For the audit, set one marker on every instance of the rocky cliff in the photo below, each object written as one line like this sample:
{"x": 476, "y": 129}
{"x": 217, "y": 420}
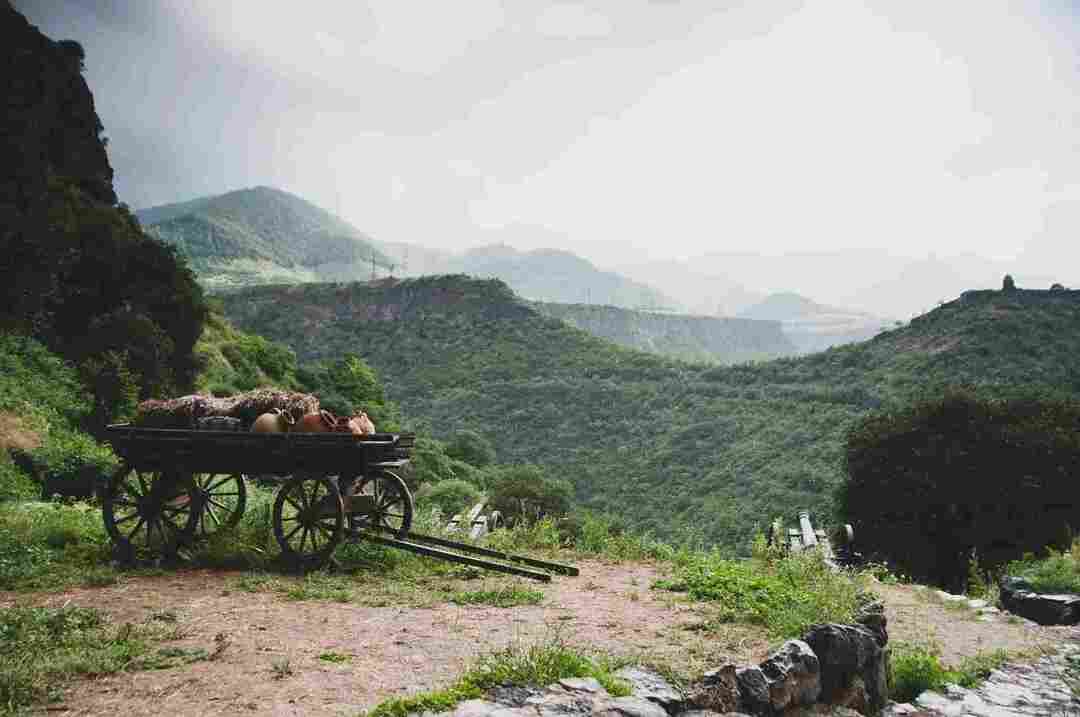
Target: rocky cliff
{"x": 696, "y": 338}
{"x": 48, "y": 127}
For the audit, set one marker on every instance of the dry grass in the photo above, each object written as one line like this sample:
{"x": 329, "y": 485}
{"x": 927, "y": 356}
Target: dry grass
{"x": 16, "y": 433}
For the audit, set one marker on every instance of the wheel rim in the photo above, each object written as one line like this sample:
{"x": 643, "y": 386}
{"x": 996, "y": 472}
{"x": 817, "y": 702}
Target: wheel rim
{"x": 308, "y": 518}
{"x": 222, "y": 498}
{"x": 149, "y": 512}
{"x": 392, "y": 503}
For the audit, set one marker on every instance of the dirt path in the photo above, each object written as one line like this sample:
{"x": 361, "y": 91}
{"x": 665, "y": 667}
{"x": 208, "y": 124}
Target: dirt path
{"x": 391, "y": 651}
{"x": 396, "y": 651}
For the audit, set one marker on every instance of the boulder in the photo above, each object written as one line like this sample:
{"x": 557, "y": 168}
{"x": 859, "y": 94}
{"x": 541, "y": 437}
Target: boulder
{"x": 648, "y": 685}
{"x": 853, "y": 666}
{"x": 872, "y": 617}
{"x": 794, "y": 675}
{"x": 716, "y": 691}
{"x": 1018, "y": 598}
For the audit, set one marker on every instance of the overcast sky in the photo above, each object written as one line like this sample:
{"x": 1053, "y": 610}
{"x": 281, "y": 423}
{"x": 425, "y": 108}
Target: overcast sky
{"x": 608, "y": 127}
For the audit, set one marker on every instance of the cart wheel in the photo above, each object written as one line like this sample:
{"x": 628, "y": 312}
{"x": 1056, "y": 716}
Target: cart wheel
{"x": 390, "y": 505}
{"x": 149, "y": 513}
{"x": 309, "y": 519}
{"x": 222, "y": 498}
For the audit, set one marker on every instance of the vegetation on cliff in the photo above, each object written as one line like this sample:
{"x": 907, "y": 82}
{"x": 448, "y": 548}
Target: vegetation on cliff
{"x": 76, "y": 271}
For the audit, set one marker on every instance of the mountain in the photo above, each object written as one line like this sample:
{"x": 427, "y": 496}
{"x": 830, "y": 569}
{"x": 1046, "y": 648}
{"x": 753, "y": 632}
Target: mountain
{"x": 557, "y": 276}
{"x": 710, "y": 339}
{"x": 685, "y": 451}
{"x": 812, "y": 326}
{"x": 710, "y": 293}
{"x": 263, "y": 235}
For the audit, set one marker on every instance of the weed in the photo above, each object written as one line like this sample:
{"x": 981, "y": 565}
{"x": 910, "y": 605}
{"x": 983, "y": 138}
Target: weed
{"x": 535, "y": 665}
{"x": 42, "y": 648}
{"x": 786, "y": 595}
{"x": 915, "y": 669}
{"x": 336, "y": 657}
{"x": 281, "y": 667}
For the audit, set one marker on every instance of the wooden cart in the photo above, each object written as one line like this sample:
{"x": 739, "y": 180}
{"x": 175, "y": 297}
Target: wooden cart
{"x": 178, "y": 486}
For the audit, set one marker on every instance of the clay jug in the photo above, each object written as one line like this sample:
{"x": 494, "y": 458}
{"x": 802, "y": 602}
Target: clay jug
{"x": 273, "y": 421}
{"x": 321, "y": 422}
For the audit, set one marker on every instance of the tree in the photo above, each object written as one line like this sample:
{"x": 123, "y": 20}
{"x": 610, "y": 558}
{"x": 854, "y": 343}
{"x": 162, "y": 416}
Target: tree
{"x": 928, "y": 483}
{"x": 472, "y": 448}
{"x": 1008, "y": 284}
{"x": 452, "y": 496}
{"x": 525, "y": 492}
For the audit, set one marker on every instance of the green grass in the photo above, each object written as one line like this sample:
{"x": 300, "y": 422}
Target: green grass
{"x": 536, "y": 665}
{"x": 506, "y": 596}
{"x": 785, "y": 595}
{"x": 915, "y": 669}
{"x": 43, "y": 648}
{"x": 335, "y": 657}
{"x": 1057, "y": 573}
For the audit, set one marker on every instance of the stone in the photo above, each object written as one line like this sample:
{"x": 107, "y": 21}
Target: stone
{"x": 794, "y": 675}
{"x": 647, "y": 685}
{"x": 581, "y": 684}
{"x": 977, "y": 604}
{"x": 630, "y": 707}
{"x": 1044, "y": 609}
{"x": 753, "y": 689}
{"x": 847, "y": 653}
{"x": 717, "y": 690}
{"x": 476, "y": 708}
{"x": 872, "y": 617}
{"x": 901, "y": 709}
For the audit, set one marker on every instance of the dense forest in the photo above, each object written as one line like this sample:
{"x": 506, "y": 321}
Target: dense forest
{"x": 679, "y": 449}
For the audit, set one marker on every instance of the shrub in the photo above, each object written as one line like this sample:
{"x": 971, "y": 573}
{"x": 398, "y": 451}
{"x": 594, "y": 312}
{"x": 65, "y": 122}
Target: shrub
{"x": 929, "y": 483}
{"x": 452, "y": 496}
{"x": 525, "y": 492}
{"x": 1059, "y": 572}
{"x": 786, "y": 596}
{"x": 472, "y": 448}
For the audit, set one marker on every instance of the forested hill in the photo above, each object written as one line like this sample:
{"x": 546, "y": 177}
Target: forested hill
{"x": 672, "y": 447}
{"x": 711, "y": 339}
{"x": 259, "y": 235}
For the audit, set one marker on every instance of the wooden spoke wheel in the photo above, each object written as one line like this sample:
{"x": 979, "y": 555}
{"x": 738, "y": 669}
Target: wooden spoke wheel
{"x": 381, "y": 501}
{"x": 222, "y": 498}
{"x": 309, "y": 519}
{"x": 149, "y": 513}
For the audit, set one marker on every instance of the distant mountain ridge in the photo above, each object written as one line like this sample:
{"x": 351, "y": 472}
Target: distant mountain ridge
{"x": 813, "y": 326}
{"x": 258, "y": 235}
{"x": 712, "y": 339}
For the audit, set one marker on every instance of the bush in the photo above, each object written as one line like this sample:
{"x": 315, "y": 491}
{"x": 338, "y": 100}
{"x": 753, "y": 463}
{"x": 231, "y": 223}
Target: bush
{"x": 1059, "y": 572}
{"x": 930, "y": 483}
{"x": 913, "y": 670}
{"x": 472, "y": 448}
{"x": 786, "y": 596}
{"x": 525, "y": 492}
{"x": 451, "y": 496}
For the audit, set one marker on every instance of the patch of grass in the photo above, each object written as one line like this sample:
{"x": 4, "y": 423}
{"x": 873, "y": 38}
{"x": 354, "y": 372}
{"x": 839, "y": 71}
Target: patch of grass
{"x": 1057, "y": 573}
{"x": 42, "y": 648}
{"x": 52, "y": 545}
{"x": 506, "y": 596}
{"x": 915, "y": 669}
{"x": 335, "y": 657}
{"x": 281, "y": 667}
{"x": 785, "y": 595}
{"x": 535, "y": 665}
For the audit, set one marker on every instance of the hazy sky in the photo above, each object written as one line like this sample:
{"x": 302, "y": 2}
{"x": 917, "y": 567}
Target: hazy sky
{"x": 675, "y": 128}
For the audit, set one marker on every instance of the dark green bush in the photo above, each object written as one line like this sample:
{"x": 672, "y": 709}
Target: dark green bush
{"x": 930, "y": 483}
{"x": 451, "y": 496}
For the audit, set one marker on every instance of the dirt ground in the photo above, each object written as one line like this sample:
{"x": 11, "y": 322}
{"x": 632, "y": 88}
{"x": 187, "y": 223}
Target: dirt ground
{"x": 396, "y": 651}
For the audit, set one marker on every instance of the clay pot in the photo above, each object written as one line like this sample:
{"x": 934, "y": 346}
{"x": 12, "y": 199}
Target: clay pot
{"x": 359, "y": 425}
{"x": 321, "y": 422}
{"x": 273, "y": 421}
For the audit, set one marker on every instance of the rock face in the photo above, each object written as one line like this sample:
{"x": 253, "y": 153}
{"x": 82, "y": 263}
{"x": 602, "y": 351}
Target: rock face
{"x": 48, "y": 125}
{"x": 1018, "y": 598}
{"x": 853, "y": 669}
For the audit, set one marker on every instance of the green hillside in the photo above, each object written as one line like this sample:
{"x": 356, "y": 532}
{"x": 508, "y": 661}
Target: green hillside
{"x": 260, "y": 235}
{"x": 670, "y": 447}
